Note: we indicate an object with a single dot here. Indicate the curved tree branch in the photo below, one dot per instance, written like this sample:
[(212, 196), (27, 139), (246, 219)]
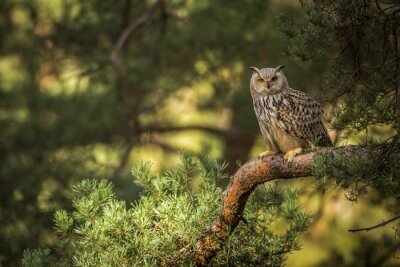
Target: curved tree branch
[(246, 179), (123, 38), (133, 27)]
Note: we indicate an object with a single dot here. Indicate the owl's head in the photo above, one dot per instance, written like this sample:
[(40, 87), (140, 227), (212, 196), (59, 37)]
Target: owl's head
[(267, 81)]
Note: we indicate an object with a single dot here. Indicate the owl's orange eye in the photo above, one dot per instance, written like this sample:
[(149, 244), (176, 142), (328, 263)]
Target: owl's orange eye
[(260, 79)]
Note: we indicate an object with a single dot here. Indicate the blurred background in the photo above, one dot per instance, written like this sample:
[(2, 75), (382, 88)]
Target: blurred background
[(77, 100)]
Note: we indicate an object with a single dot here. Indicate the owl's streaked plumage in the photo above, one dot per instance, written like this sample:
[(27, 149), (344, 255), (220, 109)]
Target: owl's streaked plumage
[(289, 119)]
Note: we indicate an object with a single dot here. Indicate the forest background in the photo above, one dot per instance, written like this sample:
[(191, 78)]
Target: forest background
[(90, 88)]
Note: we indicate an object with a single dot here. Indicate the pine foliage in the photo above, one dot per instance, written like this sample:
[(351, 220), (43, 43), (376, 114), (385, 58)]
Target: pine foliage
[(163, 226), (356, 42), (363, 172)]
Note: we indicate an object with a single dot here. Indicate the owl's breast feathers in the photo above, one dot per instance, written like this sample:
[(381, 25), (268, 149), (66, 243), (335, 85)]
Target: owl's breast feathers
[(295, 113)]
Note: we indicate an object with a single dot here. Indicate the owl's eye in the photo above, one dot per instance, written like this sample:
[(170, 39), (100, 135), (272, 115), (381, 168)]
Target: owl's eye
[(274, 78), (260, 79)]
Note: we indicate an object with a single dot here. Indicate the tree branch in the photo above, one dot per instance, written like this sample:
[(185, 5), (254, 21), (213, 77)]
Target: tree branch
[(375, 226), (246, 179), (122, 72), (133, 27), (167, 129), (164, 146), (122, 39), (124, 159)]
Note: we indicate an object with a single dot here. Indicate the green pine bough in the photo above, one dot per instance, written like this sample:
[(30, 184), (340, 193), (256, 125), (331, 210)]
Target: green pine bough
[(180, 220), (163, 227)]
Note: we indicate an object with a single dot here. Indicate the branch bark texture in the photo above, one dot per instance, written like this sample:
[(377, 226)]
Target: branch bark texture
[(245, 180)]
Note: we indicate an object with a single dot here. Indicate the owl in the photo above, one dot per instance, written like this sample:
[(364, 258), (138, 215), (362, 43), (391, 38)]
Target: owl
[(289, 120)]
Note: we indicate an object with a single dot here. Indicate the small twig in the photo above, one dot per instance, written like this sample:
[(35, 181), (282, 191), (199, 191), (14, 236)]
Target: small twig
[(386, 153), (124, 160), (164, 146), (375, 226), (378, 6), (180, 255), (88, 71)]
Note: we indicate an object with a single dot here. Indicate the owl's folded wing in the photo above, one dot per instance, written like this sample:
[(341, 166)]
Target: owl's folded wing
[(300, 115)]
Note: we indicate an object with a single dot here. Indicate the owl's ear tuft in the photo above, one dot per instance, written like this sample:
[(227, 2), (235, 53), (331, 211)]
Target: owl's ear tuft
[(255, 70), (279, 68)]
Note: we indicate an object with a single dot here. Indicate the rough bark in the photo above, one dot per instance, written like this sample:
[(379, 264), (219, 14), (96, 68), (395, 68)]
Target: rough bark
[(245, 180)]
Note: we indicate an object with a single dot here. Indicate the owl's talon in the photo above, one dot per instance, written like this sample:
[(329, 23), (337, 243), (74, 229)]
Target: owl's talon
[(292, 153)]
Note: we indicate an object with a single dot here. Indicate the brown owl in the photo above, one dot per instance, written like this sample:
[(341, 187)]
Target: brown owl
[(289, 120)]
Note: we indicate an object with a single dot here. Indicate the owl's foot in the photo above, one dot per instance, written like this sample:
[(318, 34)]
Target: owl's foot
[(292, 153), (266, 154)]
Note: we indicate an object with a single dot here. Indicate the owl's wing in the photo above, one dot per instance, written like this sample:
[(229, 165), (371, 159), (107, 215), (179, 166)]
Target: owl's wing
[(300, 115)]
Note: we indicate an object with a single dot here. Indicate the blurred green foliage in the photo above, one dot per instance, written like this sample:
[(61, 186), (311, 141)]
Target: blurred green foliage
[(65, 113)]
